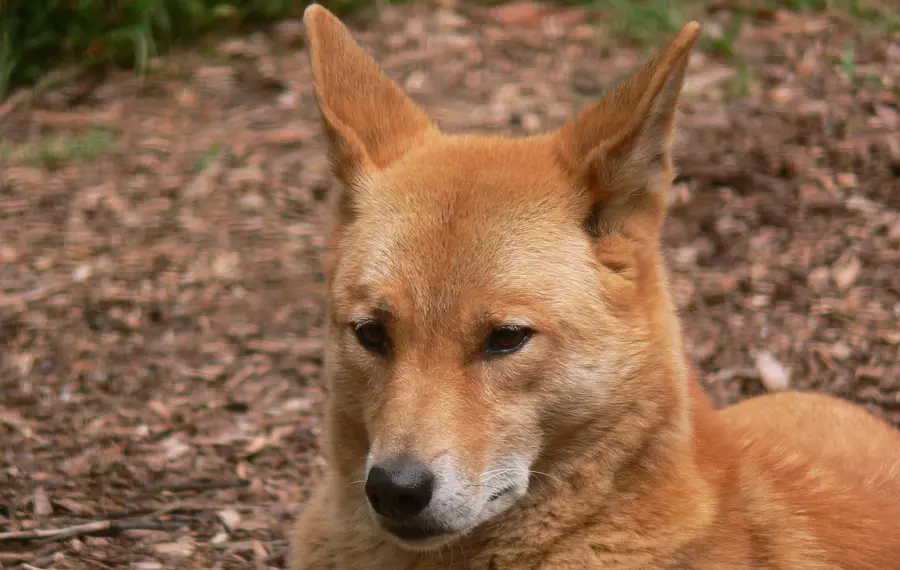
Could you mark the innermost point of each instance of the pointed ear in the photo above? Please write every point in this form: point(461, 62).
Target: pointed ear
point(620, 149)
point(368, 120)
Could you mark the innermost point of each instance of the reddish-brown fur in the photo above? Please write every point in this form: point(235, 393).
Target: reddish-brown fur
point(442, 237)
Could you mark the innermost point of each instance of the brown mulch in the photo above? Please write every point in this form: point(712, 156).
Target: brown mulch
point(161, 298)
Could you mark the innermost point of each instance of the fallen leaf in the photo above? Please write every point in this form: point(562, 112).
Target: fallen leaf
point(297, 405)
point(42, 506)
point(180, 549)
point(175, 448)
point(73, 506)
point(160, 409)
point(846, 180)
point(772, 373)
point(845, 271)
point(256, 445)
point(259, 549)
point(230, 519)
point(818, 278)
point(840, 351)
point(522, 12)
point(77, 466)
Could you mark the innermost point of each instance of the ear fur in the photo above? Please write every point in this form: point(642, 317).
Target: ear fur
point(620, 149)
point(368, 120)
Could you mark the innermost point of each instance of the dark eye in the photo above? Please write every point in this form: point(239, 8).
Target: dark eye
point(372, 337)
point(504, 340)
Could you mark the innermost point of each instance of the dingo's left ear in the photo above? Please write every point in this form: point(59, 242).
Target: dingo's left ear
point(369, 121)
point(620, 149)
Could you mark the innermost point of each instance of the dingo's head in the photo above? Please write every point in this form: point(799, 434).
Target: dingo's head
point(496, 304)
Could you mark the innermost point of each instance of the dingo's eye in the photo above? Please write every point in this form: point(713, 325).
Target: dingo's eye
point(504, 340)
point(372, 336)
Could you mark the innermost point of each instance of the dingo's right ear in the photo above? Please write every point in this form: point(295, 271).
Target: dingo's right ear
point(369, 121)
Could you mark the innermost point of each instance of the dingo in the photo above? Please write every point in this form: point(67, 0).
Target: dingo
point(508, 383)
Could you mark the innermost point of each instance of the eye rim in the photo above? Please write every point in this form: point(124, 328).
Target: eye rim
point(380, 348)
point(526, 332)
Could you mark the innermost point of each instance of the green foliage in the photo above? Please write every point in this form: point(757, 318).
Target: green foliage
point(55, 151)
point(207, 158)
point(848, 63)
point(648, 20)
point(724, 44)
point(39, 35)
point(645, 21)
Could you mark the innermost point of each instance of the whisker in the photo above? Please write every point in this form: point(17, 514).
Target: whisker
point(356, 509)
point(553, 477)
point(495, 470)
point(463, 551)
point(495, 475)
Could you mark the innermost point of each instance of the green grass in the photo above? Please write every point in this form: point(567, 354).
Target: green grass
point(848, 63)
point(207, 158)
point(879, 15)
point(742, 84)
point(56, 151)
point(646, 21)
point(724, 44)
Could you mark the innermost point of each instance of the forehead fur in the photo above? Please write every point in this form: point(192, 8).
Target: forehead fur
point(463, 218)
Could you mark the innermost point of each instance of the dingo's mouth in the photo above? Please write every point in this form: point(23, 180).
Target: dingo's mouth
point(420, 538)
point(414, 533)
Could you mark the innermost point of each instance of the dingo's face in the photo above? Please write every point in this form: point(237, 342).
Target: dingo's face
point(456, 334)
point(489, 297)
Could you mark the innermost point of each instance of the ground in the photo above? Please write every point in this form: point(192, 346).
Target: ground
point(161, 293)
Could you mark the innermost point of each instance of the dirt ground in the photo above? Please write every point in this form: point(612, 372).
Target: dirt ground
point(161, 294)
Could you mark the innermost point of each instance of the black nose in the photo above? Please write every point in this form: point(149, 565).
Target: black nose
point(399, 488)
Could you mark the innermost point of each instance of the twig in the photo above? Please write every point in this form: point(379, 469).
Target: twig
point(198, 487)
point(111, 527)
point(17, 301)
point(195, 507)
point(45, 555)
point(277, 557)
point(15, 557)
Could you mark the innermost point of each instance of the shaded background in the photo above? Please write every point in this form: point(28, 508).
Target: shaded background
point(162, 204)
